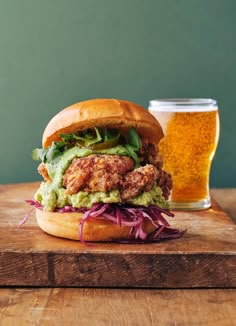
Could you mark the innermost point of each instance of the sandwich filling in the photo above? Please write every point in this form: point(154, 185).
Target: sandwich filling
point(101, 166)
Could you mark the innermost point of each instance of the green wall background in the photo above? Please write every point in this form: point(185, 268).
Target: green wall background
point(57, 52)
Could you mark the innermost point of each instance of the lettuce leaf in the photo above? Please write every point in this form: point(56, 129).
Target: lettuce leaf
point(89, 138)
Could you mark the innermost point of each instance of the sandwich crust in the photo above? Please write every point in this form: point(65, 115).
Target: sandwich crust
point(66, 225)
point(110, 113)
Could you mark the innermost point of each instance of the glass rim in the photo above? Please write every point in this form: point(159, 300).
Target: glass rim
point(183, 101)
point(183, 104)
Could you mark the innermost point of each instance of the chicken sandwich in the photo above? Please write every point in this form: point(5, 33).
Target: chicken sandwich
point(103, 176)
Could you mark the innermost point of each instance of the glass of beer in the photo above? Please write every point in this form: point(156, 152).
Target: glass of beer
point(191, 134)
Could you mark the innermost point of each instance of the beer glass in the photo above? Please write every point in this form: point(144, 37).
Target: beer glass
point(191, 133)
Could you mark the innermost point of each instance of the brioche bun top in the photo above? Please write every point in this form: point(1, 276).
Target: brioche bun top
point(107, 113)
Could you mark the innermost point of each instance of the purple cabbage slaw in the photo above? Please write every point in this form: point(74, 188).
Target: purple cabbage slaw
point(124, 215)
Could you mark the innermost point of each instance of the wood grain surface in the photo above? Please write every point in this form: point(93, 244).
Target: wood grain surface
point(74, 306)
point(94, 306)
point(204, 257)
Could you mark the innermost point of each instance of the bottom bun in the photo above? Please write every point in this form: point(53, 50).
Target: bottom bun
point(66, 225)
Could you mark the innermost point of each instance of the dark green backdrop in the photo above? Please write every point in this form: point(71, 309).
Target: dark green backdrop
point(57, 52)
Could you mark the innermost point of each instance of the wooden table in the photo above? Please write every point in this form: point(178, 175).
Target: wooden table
point(103, 306)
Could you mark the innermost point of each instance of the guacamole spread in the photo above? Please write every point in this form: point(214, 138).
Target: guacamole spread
point(52, 198)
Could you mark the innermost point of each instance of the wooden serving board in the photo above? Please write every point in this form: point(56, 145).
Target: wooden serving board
point(204, 257)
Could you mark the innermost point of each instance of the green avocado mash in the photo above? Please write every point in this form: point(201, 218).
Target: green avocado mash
point(52, 198)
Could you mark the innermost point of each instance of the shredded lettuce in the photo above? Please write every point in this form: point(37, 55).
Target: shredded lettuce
point(84, 139)
point(48, 154)
point(97, 140)
point(133, 139)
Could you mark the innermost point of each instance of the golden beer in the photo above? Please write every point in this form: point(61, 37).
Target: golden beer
point(191, 133)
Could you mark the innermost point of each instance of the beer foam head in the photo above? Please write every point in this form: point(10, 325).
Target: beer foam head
point(183, 105)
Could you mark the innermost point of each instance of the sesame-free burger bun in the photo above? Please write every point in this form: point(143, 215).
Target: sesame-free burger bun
point(66, 225)
point(107, 113)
